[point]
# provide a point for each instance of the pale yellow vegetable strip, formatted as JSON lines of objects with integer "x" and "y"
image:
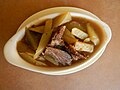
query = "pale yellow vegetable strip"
{"x": 30, "y": 38}
{"x": 62, "y": 19}
{"x": 87, "y": 40}
{"x": 93, "y": 36}
{"x": 30, "y": 54}
{"x": 30, "y": 59}
{"x": 39, "y": 63}
{"x": 27, "y": 58}
{"x": 39, "y": 29}
{"x": 45, "y": 38}
{"x": 68, "y": 37}
{"x": 79, "y": 33}
{"x": 67, "y": 32}
{"x": 74, "y": 24}
{"x": 48, "y": 25}
{"x": 81, "y": 46}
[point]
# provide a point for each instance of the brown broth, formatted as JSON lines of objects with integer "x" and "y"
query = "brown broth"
{"x": 83, "y": 23}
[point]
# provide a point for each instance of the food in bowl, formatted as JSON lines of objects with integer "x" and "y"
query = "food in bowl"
{"x": 61, "y": 41}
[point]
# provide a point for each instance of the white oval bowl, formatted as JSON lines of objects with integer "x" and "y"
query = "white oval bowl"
{"x": 13, "y": 57}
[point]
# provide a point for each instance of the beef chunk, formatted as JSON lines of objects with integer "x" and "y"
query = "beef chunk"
{"x": 57, "y": 38}
{"x": 75, "y": 54}
{"x": 78, "y": 57}
{"x": 71, "y": 49}
{"x": 59, "y": 55}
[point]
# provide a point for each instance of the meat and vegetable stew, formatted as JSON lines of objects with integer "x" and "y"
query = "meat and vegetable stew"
{"x": 61, "y": 41}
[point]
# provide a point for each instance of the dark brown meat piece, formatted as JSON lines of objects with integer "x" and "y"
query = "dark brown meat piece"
{"x": 78, "y": 57}
{"x": 57, "y": 38}
{"x": 59, "y": 55}
{"x": 75, "y": 54}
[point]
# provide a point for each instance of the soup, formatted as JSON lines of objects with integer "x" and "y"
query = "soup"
{"x": 59, "y": 42}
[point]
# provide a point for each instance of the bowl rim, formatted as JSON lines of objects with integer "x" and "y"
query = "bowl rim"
{"x": 55, "y": 10}
{"x": 64, "y": 71}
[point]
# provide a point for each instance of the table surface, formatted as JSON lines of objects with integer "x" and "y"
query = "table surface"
{"x": 102, "y": 75}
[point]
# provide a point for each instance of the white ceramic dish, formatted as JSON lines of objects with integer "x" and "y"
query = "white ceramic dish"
{"x": 13, "y": 57}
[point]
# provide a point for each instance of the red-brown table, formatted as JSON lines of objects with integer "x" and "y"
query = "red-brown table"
{"x": 102, "y": 75}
